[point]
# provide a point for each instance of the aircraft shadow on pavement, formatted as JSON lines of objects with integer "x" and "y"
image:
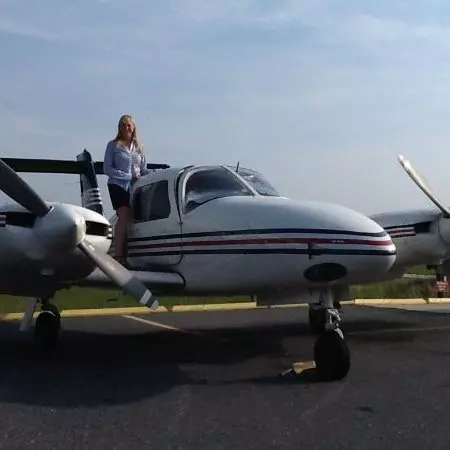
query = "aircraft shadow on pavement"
{"x": 90, "y": 369}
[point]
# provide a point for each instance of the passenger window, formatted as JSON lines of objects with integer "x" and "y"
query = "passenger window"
{"x": 138, "y": 210}
{"x": 158, "y": 202}
{"x": 151, "y": 202}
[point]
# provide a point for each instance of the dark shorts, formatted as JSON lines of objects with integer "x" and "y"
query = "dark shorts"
{"x": 119, "y": 196}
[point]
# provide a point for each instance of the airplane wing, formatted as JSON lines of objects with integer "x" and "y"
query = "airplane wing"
{"x": 41, "y": 165}
{"x": 414, "y": 276}
{"x": 156, "y": 281}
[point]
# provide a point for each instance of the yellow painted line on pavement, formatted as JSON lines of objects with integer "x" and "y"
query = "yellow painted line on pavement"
{"x": 119, "y": 311}
{"x": 399, "y": 301}
{"x": 82, "y": 312}
{"x": 144, "y": 310}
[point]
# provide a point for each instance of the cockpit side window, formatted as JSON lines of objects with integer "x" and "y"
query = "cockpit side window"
{"x": 210, "y": 184}
{"x": 151, "y": 202}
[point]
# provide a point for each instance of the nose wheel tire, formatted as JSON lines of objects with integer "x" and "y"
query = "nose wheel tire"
{"x": 332, "y": 355}
{"x": 46, "y": 329}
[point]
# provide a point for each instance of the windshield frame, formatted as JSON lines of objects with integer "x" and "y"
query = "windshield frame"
{"x": 273, "y": 192}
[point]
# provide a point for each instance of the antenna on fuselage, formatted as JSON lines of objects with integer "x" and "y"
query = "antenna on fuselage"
{"x": 237, "y": 166}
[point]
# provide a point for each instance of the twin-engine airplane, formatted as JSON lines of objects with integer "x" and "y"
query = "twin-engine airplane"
{"x": 209, "y": 230}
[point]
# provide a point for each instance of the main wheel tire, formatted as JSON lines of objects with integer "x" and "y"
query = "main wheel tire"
{"x": 46, "y": 330}
{"x": 332, "y": 356}
{"x": 51, "y": 308}
{"x": 317, "y": 318}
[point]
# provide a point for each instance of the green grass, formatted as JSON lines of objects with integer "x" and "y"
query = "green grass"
{"x": 400, "y": 288}
{"x": 84, "y": 298}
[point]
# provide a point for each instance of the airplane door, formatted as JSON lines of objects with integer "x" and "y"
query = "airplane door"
{"x": 154, "y": 238}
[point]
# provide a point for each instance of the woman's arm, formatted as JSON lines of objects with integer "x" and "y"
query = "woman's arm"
{"x": 108, "y": 165}
{"x": 143, "y": 165}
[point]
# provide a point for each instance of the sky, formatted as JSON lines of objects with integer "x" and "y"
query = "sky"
{"x": 318, "y": 96}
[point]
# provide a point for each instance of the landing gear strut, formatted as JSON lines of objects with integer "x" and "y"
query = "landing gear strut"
{"x": 318, "y": 316}
{"x": 331, "y": 353}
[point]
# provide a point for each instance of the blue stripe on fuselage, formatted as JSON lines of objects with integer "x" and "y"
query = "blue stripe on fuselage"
{"x": 259, "y": 231}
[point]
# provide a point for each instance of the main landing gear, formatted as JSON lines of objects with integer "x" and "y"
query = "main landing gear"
{"x": 48, "y": 323}
{"x": 331, "y": 353}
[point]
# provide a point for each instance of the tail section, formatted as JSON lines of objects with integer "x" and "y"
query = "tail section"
{"x": 90, "y": 193}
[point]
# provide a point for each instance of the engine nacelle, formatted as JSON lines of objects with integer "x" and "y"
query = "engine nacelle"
{"x": 444, "y": 230}
{"x": 58, "y": 232}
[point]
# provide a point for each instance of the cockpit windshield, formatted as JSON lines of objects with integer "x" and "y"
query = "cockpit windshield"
{"x": 258, "y": 182}
{"x": 209, "y": 184}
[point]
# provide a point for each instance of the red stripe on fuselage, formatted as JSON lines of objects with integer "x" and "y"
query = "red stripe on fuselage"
{"x": 260, "y": 241}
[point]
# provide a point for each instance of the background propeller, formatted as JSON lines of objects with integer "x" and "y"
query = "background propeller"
{"x": 419, "y": 180}
{"x": 70, "y": 224}
{"x": 443, "y": 225}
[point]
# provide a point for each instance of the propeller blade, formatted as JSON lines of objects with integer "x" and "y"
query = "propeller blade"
{"x": 16, "y": 188}
{"x": 119, "y": 275}
{"x": 422, "y": 185}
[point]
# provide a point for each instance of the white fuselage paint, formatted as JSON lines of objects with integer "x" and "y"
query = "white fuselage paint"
{"x": 245, "y": 244}
{"x": 242, "y": 245}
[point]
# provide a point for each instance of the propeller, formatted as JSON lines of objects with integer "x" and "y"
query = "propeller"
{"x": 63, "y": 226}
{"x": 443, "y": 225}
{"x": 118, "y": 274}
{"x": 16, "y": 188}
{"x": 419, "y": 180}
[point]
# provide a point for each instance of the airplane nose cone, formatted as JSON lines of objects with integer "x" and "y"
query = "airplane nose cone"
{"x": 356, "y": 249}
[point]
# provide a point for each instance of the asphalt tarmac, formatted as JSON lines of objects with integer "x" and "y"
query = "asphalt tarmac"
{"x": 214, "y": 380}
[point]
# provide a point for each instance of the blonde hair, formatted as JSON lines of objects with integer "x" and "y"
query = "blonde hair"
{"x": 138, "y": 148}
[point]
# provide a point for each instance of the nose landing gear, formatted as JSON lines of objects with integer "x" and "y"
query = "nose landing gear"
{"x": 331, "y": 352}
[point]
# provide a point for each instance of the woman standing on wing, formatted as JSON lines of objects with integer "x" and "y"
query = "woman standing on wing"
{"x": 124, "y": 163}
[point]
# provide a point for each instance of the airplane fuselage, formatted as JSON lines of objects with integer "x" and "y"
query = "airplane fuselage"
{"x": 213, "y": 233}
{"x": 245, "y": 245}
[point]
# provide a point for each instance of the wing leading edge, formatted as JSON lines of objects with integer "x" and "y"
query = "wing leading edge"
{"x": 40, "y": 165}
